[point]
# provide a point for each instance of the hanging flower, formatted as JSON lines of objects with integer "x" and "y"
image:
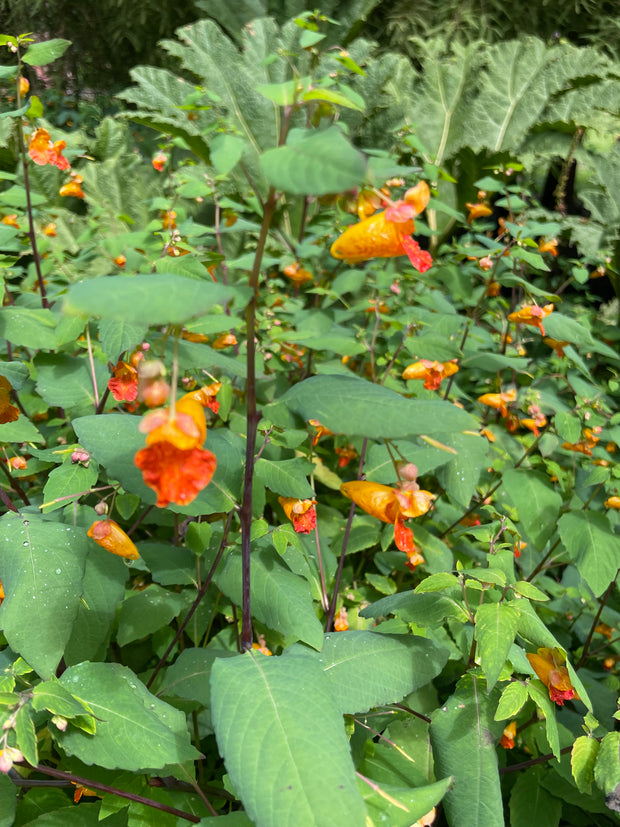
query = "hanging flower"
{"x": 432, "y": 372}
{"x": 508, "y": 738}
{"x": 531, "y": 314}
{"x": 549, "y": 666}
{"x": 74, "y": 187}
{"x": 341, "y": 622}
{"x": 110, "y": 536}
{"x": 8, "y": 412}
{"x": 321, "y": 431}
{"x": 206, "y": 396}
{"x": 391, "y": 505}
{"x": 225, "y": 340}
{"x": 556, "y": 345}
{"x": 534, "y": 424}
{"x": 479, "y": 210}
{"x": 11, "y": 220}
{"x": 2, "y": 594}
{"x": 414, "y": 558}
{"x": 159, "y": 161}
{"x": 499, "y": 401}
{"x": 586, "y": 443}
{"x": 50, "y": 230}
{"x": 261, "y": 646}
{"x": 24, "y": 86}
{"x": 168, "y": 220}
{"x": 550, "y": 246}
{"x": 43, "y": 151}
{"x": 124, "y": 383}
{"x": 17, "y": 463}
{"x": 174, "y": 464}
{"x": 345, "y": 455}
{"x": 120, "y": 260}
{"x": 388, "y": 233}
{"x": 613, "y": 502}
{"x": 302, "y": 513}
{"x": 297, "y": 274}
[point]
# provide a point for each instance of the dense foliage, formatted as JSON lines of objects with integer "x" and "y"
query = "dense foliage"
{"x": 383, "y": 589}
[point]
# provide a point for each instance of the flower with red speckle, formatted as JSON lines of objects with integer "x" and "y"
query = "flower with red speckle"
{"x": 43, "y": 151}
{"x": 432, "y": 372}
{"x": 531, "y": 314}
{"x": 549, "y": 666}
{"x": 302, "y": 513}
{"x": 110, "y": 536}
{"x": 159, "y": 161}
{"x": 124, "y": 383}
{"x": 508, "y": 738}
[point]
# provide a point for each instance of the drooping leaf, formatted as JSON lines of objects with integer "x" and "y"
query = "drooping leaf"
{"x": 591, "y": 543}
{"x": 399, "y": 805}
{"x": 524, "y": 487}
{"x": 511, "y": 701}
{"x": 607, "y": 768}
{"x": 259, "y": 720}
{"x": 496, "y": 626}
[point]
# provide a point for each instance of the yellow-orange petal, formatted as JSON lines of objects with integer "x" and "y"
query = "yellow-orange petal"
{"x": 376, "y": 499}
{"x": 418, "y": 197}
{"x": 110, "y": 536}
{"x": 613, "y": 502}
{"x": 175, "y": 475}
{"x": 374, "y": 237}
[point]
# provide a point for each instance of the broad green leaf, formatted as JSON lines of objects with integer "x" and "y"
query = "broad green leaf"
{"x": 524, "y": 487}
{"x": 146, "y": 299}
{"x": 402, "y": 806}
{"x": 146, "y": 611}
{"x": 188, "y": 677}
{"x": 530, "y": 803}
{"x": 511, "y": 701}
{"x": 22, "y": 430}
{"x": 226, "y": 152}
{"x": 17, "y": 197}
{"x": 135, "y": 730}
{"x": 288, "y": 477}
{"x": 496, "y": 627}
{"x": 67, "y": 382}
{"x": 463, "y": 735}
{"x": 607, "y": 768}
{"x": 170, "y": 565}
{"x": 15, "y": 372}
{"x": 367, "y": 669}
{"x": 29, "y": 327}
{"x": 592, "y": 545}
{"x": 280, "y": 599}
{"x": 315, "y": 163}
{"x": 67, "y": 483}
{"x": 8, "y": 800}
{"x": 52, "y": 696}
{"x": 302, "y": 780}
{"x": 26, "y": 735}
{"x": 564, "y": 328}
{"x": 529, "y": 590}
{"x": 338, "y": 97}
{"x": 117, "y": 336}
{"x": 567, "y": 426}
{"x": 437, "y": 583}
{"x": 285, "y": 93}
{"x": 48, "y": 813}
{"x": 40, "y": 54}
{"x": 42, "y": 572}
{"x": 421, "y": 609}
{"x": 460, "y": 476}
{"x": 347, "y": 405}
{"x": 539, "y": 693}
{"x": 582, "y": 760}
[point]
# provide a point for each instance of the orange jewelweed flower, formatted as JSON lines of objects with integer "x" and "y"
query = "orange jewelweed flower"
{"x": 43, "y": 151}
{"x": 206, "y": 396}
{"x": 302, "y": 513}
{"x": 550, "y": 246}
{"x": 492, "y": 289}
{"x": 110, "y": 536}
{"x": 605, "y": 630}
{"x": 531, "y": 314}
{"x": 167, "y": 220}
{"x": 345, "y": 455}
{"x": 50, "y": 229}
{"x": 2, "y": 595}
{"x": 432, "y": 372}
{"x": 17, "y": 463}
{"x": 81, "y": 790}
{"x": 321, "y": 431}
{"x": 74, "y": 187}
{"x": 388, "y": 233}
{"x": 175, "y": 251}
{"x": 24, "y": 86}
{"x": 533, "y": 425}
{"x": 8, "y": 412}
{"x": 508, "y": 738}
{"x": 391, "y": 505}
{"x": 613, "y": 502}
{"x": 159, "y": 161}
{"x": 415, "y": 559}
{"x": 297, "y": 274}
{"x": 341, "y": 622}
{"x": 11, "y": 220}
{"x": 174, "y": 463}
{"x": 548, "y": 665}
{"x": 499, "y": 401}
{"x": 120, "y": 261}
{"x": 586, "y": 444}
{"x": 225, "y": 340}
{"x": 124, "y": 383}
{"x": 556, "y": 345}
{"x": 261, "y": 646}
{"x": 478, "y": 210}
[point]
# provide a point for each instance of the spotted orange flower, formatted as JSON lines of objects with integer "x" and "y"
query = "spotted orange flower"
{"x": 345, "y": 455}
{"x": 43, "y": 151}
{"x": 74, "y": 187}
{"x": 585, "y": 444}
{"x": 499, "y": 401}
{"x": 302, "y": 513}
{"x": 120, "y": 260}
{"x": 478, "y": 210}
{"x": 225, "y": 340}
{"x": 11, "y": 220}
{"x": 124, "y": 383}
{"x": 8, "y": 412}
{"x": 159, "y": 161}
{"x": 341, "y": 622}
{"x": 388, "y": 233}
{"x": 50, "y": 229}
{"x": 391, "y": 505}
{"x": 613, "y": 502}
{"x": 174, "y": 463}
{"x": 549, "y": 666}
{"x": 531, "y": 314}
{"x": 432, "y": 372}
{"x": 508, "y": 737}
{"x": 534, "y": 424}
{"x": 168, "y": 220}
{"x": 414, "y": 558}
{"x": 24, "y": 86}
{"x": 206, "y": 396}
{"x": 550, "y": 246}
{"x": 321, "y": 431}
{"x": 110, "y": 536}
{"x": 296, "y": 273}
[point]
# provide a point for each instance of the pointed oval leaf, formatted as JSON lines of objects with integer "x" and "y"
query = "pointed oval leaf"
{"x": 496, "y": 627}
{"x": 40, "y": 54}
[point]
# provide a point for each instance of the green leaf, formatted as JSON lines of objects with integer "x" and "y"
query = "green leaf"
{"x": 511, "y": 701}
{"x": 463, "y": 735}
{"x": 146, "y": 299}
{"x": 28, "y": 327}
{"x": 22, "y": 430}
{"x": 607, "y": 767}
{"x": 402, "y": 806}
{"x": 117, "y": 336}
{"x": 302, "y": 780}
{"x": 539, "y": 693}
{"x": 315, "y": 163}
{"x": 40, "y": 54}
{"x": 288, "y": 477}
{"x": 460, "y": 476}
{"x": 42, "y": 571}
{"x": 52, "y": 696}
{"x": 135, "y": 730}
{"x": 582, "y": 760}
{"x": 285, "y": 93}
{"x": 437, "y": 583}
{"x": 563, "y": 328}
{"x": 337, "y": 97}
{"x": 226, "y": 151}
{"x": 367, "y": 669}
{"x": 8, "y": 800}
{"x": 422, "y": 609}
{"x": 15, "y": 372}
{"x": 280, "y": 599}
{"x": 524, "y": 487}
{"x": 529, "y": 590}
{"x": 496, "y": 627}
{"x": 352, "y": 406}
{"x": 67, "y": 382}
{"x": 530, "y": 803}
{"x": 188, "y": 677}
{"x": 567, "y": 426}
{"x": 67, "y": 483}
{"x": 26, "y": 735}
{"x": 592, "y": 545}
{"x": 146, "y": 611}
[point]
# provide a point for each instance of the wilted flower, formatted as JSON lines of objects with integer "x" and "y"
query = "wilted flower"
{"x": 345, "y": 455}
{"x": 432, "y": 372}
{"x": 168, "y": 220}
{"x": 508, "y": 737}
{"x": 531, "y": 314}
{"x": 43, "y": 151}
{"x": 8, "y": 412}
{"x": 321, "y": 431}
{"x": 110, "y": 536}
{"x": 549, "y": 666}
{"x": 388, "y": 233}
{"x": 302, "y": 513}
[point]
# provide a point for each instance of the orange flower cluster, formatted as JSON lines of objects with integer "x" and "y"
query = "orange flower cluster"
{"x": 388, "y": 233}
{"x": 549, "y": 666}
{"x": 110, "y": 536}
{"x": 43, "y": 151}
{"x": 297, "y": 274}
{"x": 174, "y": 463}
{"x": 586, "y": 444}
{"x": 302, "y": 513}
{"x": 392, "y": 505}
{"x": 432, "y": 372}
{"x": 531, "y": 314}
